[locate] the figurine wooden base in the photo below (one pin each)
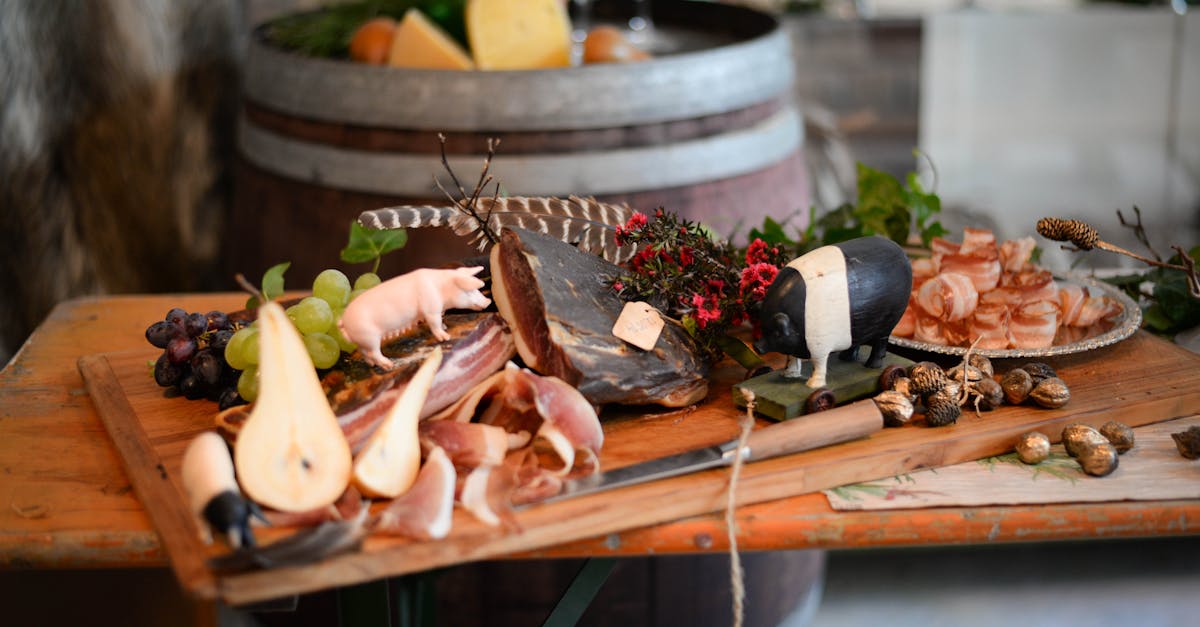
(780, 398)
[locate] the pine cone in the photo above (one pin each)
(926, 378)
(1081, 234)
(941, 409)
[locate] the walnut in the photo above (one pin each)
(1039, 371)
(982, 363)
(1078, 436)
(895, 406)
(1119, 434)
(1051, 392)
(1098, 460)
(1016, 384)
(986, 394)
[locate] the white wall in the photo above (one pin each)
(1068, 114)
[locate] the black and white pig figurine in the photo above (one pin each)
(836, 298)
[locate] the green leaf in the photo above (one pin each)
(771, 233)
(882, 205)
(1156, 319)
(272, 281)
(369, 244)
(739, 351)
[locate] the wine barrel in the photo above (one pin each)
(707, 129)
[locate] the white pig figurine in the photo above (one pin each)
(396, 305)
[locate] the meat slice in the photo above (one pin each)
(426, 510)
(558, 302)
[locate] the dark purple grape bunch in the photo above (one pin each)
(193, 359)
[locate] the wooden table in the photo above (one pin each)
(65, 502)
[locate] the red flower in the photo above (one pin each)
(706, 310)
(618, 286)
(685, 256)
(756, 252)
(756, 278)
(715, 286)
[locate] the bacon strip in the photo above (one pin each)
(989, 326)
(1033, 325)
(1015, 253)
(348, 505)
(470, 361)
(949, 296)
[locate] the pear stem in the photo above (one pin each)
(241, 280)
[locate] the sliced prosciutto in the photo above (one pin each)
(467, 444)
(426, 510)
(520, 401)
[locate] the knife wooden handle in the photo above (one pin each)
(802, 433)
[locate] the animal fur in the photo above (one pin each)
(116, 128)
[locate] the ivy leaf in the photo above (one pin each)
(272, 281)
(882, 205)
(369, 244)
(772, 232)
(272, 284)
(739, 351)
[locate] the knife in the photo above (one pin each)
(832, 426)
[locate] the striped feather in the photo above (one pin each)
(584, 222)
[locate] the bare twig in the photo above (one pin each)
(1139, 231)
(469, 204)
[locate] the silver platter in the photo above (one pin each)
(1125, 324)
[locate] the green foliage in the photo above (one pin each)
(1168, 307)
(885, 207)
(272, 284)
(327, 32)
(370, 245)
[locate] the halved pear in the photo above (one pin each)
(388, 464)
(290, 454)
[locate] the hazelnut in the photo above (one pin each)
(895, 406)
(1051, 392)
(1033, 447)
(1016, 384)
(1119, 434)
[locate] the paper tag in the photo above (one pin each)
(639, 324)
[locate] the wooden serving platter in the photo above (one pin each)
(1139, 381)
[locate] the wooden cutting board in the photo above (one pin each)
(1138, 381)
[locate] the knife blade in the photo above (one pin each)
(832, 426)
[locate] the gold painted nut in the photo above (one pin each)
(1051, 393)
(1033, 447)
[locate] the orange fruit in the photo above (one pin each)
(607, 44)
(372, 42)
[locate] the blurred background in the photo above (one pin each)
(119, 173)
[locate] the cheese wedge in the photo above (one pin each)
(518, 34)
(419, 43)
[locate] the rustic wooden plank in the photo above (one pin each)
(1139, 381)
(168, 510)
